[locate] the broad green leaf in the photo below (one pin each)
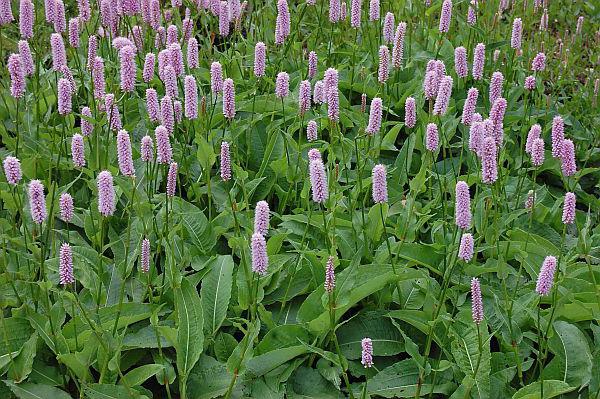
(552, 389)
(387, 340)
(307, 383)
(400, 380)
(21, 366)
(107, 391)
(36, 391)
(208, 379)
(266, 362)
(140, 374)
(572, 362)
(472, 362)
(216, 293)
(190, 338)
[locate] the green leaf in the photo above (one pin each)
(572, 362)
(308, 383)
(108, 391)
(465, 349)
(140, 374)
(216, 292)
(36, 391)
(387, 340)
(262, 364)
(400, 380)
(190, 338)
(552, 388)
(208, 379)
(22, 364)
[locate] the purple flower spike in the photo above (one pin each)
(164, 152)
(311, 131)
(469, 106)
(537, 152)
(318, 181)
(380, 193)
(460, 62)
(260, 259)
(260, 55)
(367, 352)
(329, 275)
(432, 139)
(65, 203)
(546, 277)
(145, 256)
(375, 116)
(478, 61)
(124, 154)
(106, 194)
(465, 251)
(567, 157)
(172, 179)
(534, 133)
(489, 162)
(558, 135)
(476, 301)
(228, 99)
(568, 216)
(225, 161)
(65, 269)
(37, 202)
(78, 151)
(410, 112)
(446, 16)
(282, 85)
(462, 208)
(12, 170)
(261, 218)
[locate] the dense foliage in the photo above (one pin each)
(316, 199)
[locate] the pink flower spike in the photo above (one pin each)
(460, 62)
(260, 56)
(12, 170)
(446, 16)
(37, 202)
(282, 85)
(478, 61)
(106, 194)
(558, 135)
(172, 179)
(537, 152)
(311, 131)
(567, 158)
(65, 268)
(225, 161)
(568, 216)
(228, 99)
(489, 161)
(375, 116)
(462, 208)
(410, 112)
(260, 259)
(124, 154)
(147, 149)
(367, 352)
(329, 275)
(65, 203)
(261, 218)
(546, 277)
(318, 181)
(77, 151)
(431, 137)
(465, 250)
(476, 301)
(164, 152)
(145, 256)
(380, 193)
